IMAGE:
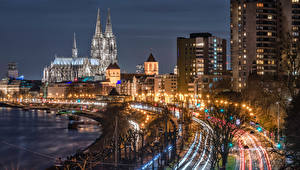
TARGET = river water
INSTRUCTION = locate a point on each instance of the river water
(34, 139)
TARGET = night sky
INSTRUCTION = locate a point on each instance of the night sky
(32, 31)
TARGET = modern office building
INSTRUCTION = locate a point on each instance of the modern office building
(257, 29)
(200, 54)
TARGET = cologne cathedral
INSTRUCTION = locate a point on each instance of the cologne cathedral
(103, 53)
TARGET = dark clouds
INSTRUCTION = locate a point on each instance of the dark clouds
(32, 31)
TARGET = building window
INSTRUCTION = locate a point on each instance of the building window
(269, 34)
(270, 17)
(260, 5)
(295, 1)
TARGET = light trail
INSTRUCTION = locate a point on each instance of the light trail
(261, 165)
(248, 152)
(194, 154)
(242, 156)
(265, 154)
(202, 155)
(266, 137)
(188, 153)
(250, 160)
(267, 157)
(207, 128)
(168, 149)
(211, 147)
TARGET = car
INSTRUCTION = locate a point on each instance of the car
(246, 147)
(251, 132)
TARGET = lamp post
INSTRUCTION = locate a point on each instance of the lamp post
(278, 121)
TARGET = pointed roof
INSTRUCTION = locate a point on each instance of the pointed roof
(113, 92)
(74, 43)
(98, 31)
(151, 58)
(113, 66)
(108, 28)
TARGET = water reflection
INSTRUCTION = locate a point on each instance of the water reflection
(33, 139)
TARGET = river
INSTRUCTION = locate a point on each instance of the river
(34, 139)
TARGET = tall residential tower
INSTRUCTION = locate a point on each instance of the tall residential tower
(200, 54)
(257, 29)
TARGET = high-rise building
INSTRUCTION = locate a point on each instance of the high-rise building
(175, 71)
(151, 66)
(12, 71)
(200, 54)
(257, 27)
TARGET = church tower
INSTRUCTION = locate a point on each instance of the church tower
(74, 49)
(97, 41)
(151, 66)
(104, 45)
(110, 46)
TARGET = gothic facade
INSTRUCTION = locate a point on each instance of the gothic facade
(103, 53)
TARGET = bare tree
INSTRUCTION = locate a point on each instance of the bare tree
(290, 62)
(226, 121)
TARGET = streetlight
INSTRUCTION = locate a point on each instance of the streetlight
(278, 116)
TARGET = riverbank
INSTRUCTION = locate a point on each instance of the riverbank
(34, 139)
(90, 115)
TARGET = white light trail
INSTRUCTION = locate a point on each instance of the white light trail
(202, 155)
(194, 154)
(188, 153)
(207, 128)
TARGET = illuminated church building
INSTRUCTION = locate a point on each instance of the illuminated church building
(103, 53)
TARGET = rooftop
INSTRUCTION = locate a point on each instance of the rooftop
(151, 58)
(113, 66)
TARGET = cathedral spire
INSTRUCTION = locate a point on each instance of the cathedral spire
(74, 49)
(98, 31)
(108, 28)
(74, 41)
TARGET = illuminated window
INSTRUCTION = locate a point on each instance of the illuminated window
(295, 1)
(245, 56)
(200, 44)
(260, 56)
(260, 62)
(295, 28)
(269, 34)
(260, 50)
(270, 17)
(260, 5)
